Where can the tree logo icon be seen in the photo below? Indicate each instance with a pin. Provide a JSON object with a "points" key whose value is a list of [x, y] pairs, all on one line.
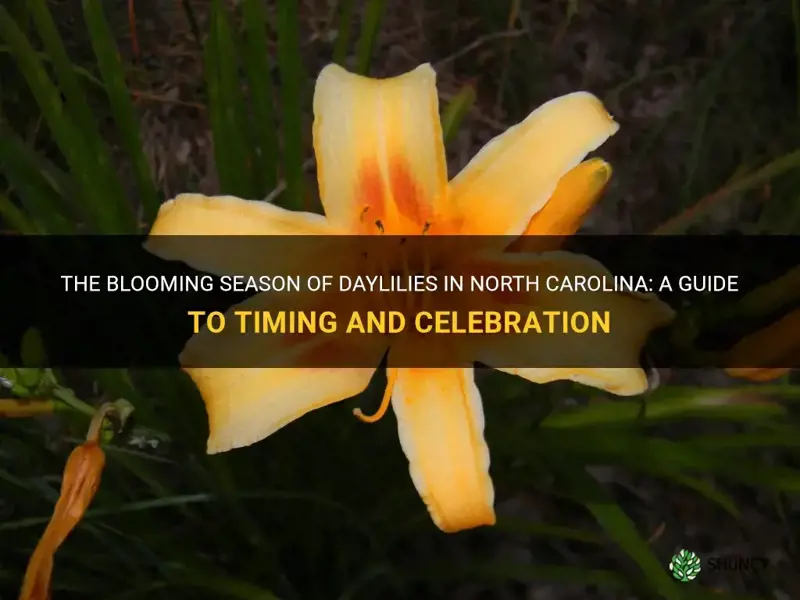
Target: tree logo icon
{"points": [[685, 566]]}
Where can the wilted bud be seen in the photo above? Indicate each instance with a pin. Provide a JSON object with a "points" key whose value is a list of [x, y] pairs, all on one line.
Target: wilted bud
{"points": [[78, 487]]}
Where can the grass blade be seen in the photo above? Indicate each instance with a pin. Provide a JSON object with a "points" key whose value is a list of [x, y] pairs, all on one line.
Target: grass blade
{"points": [[455, 112], [262, 95], [84, 74], [79, 156], [669, 404], [527, 527], [112, 201], [620, 529], [708, 491], [691, 215], [292, 78], [227, 587], [343, 31], [38, 189], [15, 218], [125, 117], [227, 108], [373, 13], [796, 20], [505, 571]]}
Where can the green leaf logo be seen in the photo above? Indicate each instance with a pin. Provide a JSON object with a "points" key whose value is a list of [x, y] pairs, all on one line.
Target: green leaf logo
{"points": [[685, 566]]}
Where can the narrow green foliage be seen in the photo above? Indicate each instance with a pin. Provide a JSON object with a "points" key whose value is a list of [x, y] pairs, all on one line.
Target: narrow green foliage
{"points": [[456, 110], [126, 120], [102, 202], [111, 200], [40, 186], [292, 82], [227, 108], [373, 13], [670, 404], [709, 492], [692, 215], [527, 527], [620, 529], [343, 31], [796, 20], [79, 70], [17, 219], [262, 96], [222, 585]]}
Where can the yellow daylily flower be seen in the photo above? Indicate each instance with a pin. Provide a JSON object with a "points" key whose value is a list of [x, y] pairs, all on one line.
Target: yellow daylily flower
{"points": [[381, 169]]}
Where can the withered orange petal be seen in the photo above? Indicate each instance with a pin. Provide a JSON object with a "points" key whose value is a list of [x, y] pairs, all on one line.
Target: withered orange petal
{"points": [[78, 486]]}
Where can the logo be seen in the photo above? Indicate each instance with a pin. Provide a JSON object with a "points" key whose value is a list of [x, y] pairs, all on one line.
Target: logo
{"points": [[738, 563], [685, 566]]}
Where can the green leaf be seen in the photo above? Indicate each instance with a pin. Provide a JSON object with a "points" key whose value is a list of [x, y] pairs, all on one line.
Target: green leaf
{"points": [[43, 190], [370, 26], [125, 116], [671, 403], [455, 112], [619, 528], [692, 215], [262, 96], [343, 31], [292, 79], [32, 351], [526, 527], [228, 587], [16, 218], [494, 571], [85, 161], [227, 108], [101, 173]]}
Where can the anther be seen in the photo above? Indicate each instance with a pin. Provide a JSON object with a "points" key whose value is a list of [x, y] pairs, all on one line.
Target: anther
{"points": [[426, 227], [363, 212], [387, 397], [379, 225]]}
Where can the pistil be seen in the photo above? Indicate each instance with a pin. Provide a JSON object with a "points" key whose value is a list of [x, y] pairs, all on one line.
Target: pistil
{"points": [[391, 375]]}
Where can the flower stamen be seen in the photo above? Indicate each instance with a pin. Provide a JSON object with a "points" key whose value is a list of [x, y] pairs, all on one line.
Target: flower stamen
{"points": [[391, 375]]}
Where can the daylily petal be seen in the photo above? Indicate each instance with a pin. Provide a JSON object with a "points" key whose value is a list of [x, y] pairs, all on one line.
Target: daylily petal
{"points": [[440, 422], [195, 214], [577, 192], [188, 215], [245, 406], [621, 381], [514, 175], [267, 380], [275, 344], [599, 361], [378, 144]]}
